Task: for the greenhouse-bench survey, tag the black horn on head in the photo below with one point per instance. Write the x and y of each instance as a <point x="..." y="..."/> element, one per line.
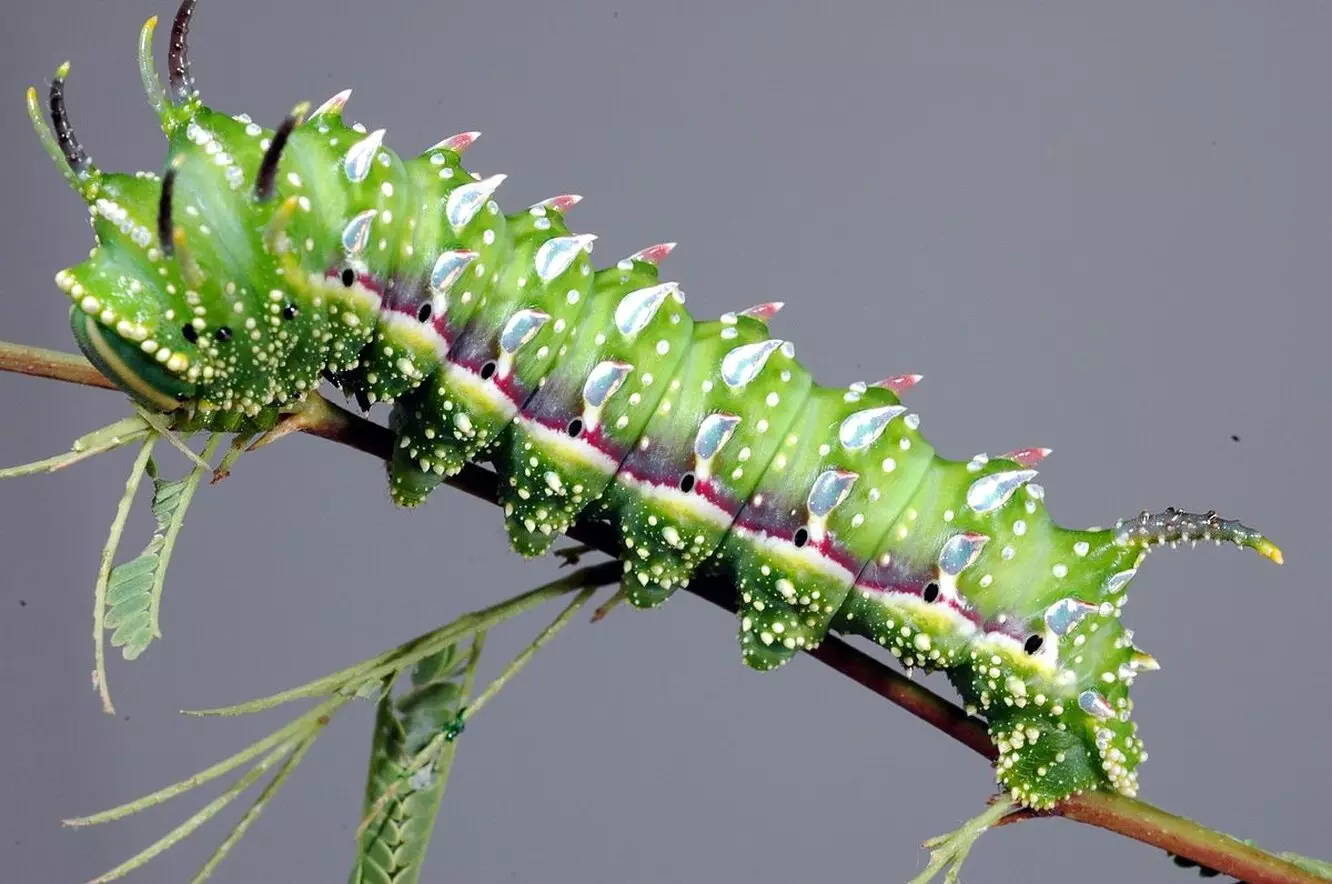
<point x="64" y="130"/>
<point x="178" y="60"/>
<point x="266" y="181"/>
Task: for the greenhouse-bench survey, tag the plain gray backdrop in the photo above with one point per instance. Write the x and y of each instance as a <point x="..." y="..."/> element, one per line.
<point x="1102" y="227"/>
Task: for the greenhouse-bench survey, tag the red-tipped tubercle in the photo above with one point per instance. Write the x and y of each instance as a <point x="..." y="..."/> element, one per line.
<point x="561" y="203"/>
<point x="459" y="142"/>
<point x="654" y="254"/>
<point x="763" y="312"/>
<point x="899" y="383"/>
<point x="1027" y="457"/>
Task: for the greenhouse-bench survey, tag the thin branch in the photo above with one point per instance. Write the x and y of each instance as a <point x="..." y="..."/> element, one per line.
<point x="42" y="363"/>
<point x="1116" y="813"/>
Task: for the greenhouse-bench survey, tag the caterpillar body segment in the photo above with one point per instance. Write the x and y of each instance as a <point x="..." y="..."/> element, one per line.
<point x="260" y="262"/>
<point x="569" y="440"/>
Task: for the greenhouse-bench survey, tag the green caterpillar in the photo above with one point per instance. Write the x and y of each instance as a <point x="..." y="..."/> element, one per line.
<point x="262" y="262"/>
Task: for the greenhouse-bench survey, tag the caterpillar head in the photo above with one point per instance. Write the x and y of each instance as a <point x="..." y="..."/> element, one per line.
<point x="112" y="311"/>
<point x="192" y="296"/>
<point x="122" y="315"/>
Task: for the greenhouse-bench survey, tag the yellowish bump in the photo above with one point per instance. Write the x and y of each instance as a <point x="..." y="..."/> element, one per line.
<point x="1271" y="551"/>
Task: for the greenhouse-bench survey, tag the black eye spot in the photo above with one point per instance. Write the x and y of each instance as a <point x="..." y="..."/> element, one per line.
<point x="575" y="428"/>
<point x="488" y="370"/>
<point x="687" y="483"/>
<point x="291" y="311"/>
<point x="423" y="312"/>
<point x="801" y="536"/>
<point x="190" y="332"/>
<point x="931" y="593"/>
<point x="348" y="277"/>
<point x="1033" y="643"/>
<point x="223" y="334"/>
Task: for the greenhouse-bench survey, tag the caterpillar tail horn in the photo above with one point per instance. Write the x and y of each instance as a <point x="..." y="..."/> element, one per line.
<point x="1174" y="527"/>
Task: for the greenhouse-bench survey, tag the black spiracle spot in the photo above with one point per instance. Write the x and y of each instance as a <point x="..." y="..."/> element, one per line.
<point x="190" y="332"/>
<point x="687" y="482"/>
<point x="223" y="333"/>
<point x="575" y="428"/>
<point x="348" y="277"/>
<point x="291" y="311"/>
<point x="1033" y="643"/>
<point x="931" y="593"/>
<point x="488" y="370"/>
<point x="424" y="312"/>
<point x="801" y="536"/>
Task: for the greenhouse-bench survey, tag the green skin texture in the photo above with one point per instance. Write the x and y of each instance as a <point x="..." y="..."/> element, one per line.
<point x="269" y="271"/>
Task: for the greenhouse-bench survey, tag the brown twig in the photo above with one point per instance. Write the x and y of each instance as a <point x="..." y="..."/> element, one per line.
<point x="42" y="363"/>
<point x="1125" y="816"/>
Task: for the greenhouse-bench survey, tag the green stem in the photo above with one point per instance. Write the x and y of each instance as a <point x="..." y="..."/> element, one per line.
<point x="423" y="646"/>
<point x="435" y="746"/>
<point x="252" y="814"/>
<point x="104" y="570"/>
<point x="314" y="717"/>
<point x="163" y="428"/>
<point x="108" y="438"/>
<point x="173" y="531"/>
<point x="951" y="850"/>
<point x="525" y="656"/>
<point x="210" y="810"/>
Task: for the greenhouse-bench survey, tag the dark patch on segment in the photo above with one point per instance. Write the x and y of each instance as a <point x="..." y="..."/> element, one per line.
<point x="165" y="226"/>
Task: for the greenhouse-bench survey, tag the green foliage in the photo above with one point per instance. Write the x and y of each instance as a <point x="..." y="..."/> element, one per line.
<point x="108" y="438"/>
<point x="401" y="802"/>
<point x="133" y="588"/>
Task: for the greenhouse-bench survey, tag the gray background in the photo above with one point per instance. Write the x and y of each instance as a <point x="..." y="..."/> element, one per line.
<point x="1099" y="227"/>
